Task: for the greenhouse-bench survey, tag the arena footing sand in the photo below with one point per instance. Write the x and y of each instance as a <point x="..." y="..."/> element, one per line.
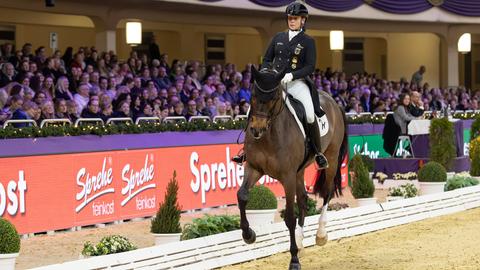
<point x="443" y="243"/>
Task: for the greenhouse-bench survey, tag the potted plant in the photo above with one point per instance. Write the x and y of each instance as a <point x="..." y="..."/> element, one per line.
<point x="432" y="177"/>
<point x="475" y="157"/>
<point x="261" y="206"/>
<point x="460" y="181"/>
<point x="363" y="187"/>
<point x="409" y="190"/>
<point x="166" y="224"/>
<point x="395" y="194"/>
<point x="9" y="245"/>
<point x="442" y="142"/>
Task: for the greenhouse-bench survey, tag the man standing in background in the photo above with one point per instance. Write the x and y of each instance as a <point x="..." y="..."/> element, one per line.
<point x="417" y="77"/>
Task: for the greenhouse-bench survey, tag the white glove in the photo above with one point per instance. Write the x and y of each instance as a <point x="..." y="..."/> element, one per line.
<point x="287" y="78"/>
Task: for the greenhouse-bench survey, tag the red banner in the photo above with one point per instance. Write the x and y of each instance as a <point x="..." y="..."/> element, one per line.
<point x="62" y="191"/>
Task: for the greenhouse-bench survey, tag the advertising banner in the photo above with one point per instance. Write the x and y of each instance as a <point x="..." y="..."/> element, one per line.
<point x="53" y="192"/>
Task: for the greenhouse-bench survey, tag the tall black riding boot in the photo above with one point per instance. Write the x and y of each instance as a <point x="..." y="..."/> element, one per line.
<point x="320" y="158"/>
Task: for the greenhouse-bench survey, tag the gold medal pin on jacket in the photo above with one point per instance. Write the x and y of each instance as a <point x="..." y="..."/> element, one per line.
<point x="297" y="52"/>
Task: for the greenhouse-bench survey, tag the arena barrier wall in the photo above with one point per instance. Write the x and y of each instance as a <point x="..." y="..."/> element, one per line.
<point x="54" y="192"/>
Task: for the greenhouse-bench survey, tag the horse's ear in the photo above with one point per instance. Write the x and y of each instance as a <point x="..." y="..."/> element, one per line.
<point x="255" y="72"/>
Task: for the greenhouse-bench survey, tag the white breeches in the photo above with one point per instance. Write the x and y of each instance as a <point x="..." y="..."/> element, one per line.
<point x="299" y="90"/>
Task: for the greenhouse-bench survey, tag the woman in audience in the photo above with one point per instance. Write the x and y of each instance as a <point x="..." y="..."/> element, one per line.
<point x="62" y="90"/>
<point x="47" y="110"/>
<point x="401" y="114"/>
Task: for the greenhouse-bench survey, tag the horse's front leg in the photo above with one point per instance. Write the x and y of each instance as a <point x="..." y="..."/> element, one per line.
<point x="302" y="207"/>
<point x="290" y="220"/>
<point x="251" y="177"/>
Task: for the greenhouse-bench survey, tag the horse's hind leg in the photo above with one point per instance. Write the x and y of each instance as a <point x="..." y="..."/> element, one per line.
<point x="251" y="177"/>
<point x="327" y="192"/>
<point x="302" y="207"/>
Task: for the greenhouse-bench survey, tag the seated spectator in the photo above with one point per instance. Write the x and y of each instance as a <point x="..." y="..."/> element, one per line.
<point x="82" y="97"/>
<point x="47" y="110"/>
<point x="221" y="109"/>
<point x="28" y="111"/>
<point x="178" y="109"/>
<point x="244" y="107"/>
<point x="61" y="109"/>
<point x="72" y="110"/>
<point x="92" y="110"/>
<point x="107" y="111"/>
<point x="244" y="92"/>
<point x="202" y="107"/>
<point x="123" y="110"/>
<point x="40" y="98"/>
<point x="416" y="108"/>
<point x="402" y="115"/>
<point x="61" y="89"/>
<point x="8" y="74"/>
<point x="191" y="109"/>
<point x="146" y="111"/>
<point x="29" y="95"/>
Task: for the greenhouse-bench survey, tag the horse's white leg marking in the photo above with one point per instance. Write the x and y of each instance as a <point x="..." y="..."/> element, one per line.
<point x="322" y="236"/>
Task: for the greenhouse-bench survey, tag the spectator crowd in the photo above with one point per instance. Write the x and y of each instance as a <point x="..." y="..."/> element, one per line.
<point x="90" y="84"/>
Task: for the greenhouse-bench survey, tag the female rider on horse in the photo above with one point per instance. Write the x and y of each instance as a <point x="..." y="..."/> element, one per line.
<point x="294" y="52"/>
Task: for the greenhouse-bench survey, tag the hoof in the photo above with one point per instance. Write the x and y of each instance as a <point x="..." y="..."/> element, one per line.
<point x="321" y="241"/>
<point x="249" y="237"/>
<point x="294" y="266"/>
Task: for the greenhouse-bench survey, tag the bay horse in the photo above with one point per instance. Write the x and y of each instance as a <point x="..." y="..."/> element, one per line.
<point x="275" y="146"/>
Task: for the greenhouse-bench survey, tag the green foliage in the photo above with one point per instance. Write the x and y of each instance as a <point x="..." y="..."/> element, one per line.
<point x="442" y="142"/>
<point x="475" y="156"/>
<point x="364" y="159"/>
<point x="475" y="129"/>
<point x="406" y="191"/>
<point x="366" y="119"/>
<point x="261" y="198"/>
<point x="409" y="190"/>
<point x="108" y="245"/>
<point x="432" y="172"/>
<point x="465" y="115"/>
<point x="356" y="159"/>
<point x="395" y="191"/>
<point x="460" y="182"/>
<point x="9" y="239"/>
<point x="167" y="219"/>
<point x="121" y="128"/>
<point x="311" y="209"/>
<point x="209" y="225"/>
<point x="362" y="185"/>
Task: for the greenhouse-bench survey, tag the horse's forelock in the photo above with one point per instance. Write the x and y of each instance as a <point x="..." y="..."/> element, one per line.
<point x="267" y="79"/>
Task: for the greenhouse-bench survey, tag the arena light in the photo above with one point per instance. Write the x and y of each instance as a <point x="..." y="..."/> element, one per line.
<point x="134" y="33"/>
<point x="465" y="43"/>
<point x="336" y="40"/>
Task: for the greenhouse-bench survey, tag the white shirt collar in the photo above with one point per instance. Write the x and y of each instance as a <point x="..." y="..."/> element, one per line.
<point x="292" y="34"/>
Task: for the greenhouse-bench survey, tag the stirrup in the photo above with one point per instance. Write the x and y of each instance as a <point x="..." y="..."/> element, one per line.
<point x="239" y="159"/>
<point x="321" y="161"/>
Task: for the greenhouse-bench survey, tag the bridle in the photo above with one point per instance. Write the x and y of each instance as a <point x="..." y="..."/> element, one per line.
<point x="271" y="114"/>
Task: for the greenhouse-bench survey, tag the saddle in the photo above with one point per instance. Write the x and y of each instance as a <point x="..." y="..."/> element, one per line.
<point x="298" y="111"/>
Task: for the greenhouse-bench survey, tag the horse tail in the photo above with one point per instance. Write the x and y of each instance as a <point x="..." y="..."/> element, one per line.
<point x="321" y="176"/>
<point x="341" y="156"/>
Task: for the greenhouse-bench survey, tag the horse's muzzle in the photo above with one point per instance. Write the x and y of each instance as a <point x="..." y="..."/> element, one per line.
<point x="257" y="132"/>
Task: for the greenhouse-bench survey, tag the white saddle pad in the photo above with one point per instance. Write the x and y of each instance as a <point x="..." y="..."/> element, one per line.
<point x="321" y="122"/>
